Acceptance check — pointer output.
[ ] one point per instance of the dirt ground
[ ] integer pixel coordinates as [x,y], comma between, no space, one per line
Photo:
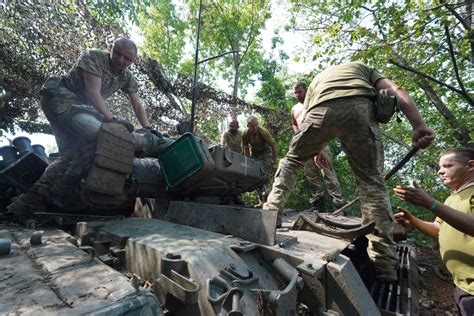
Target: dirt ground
[436,286]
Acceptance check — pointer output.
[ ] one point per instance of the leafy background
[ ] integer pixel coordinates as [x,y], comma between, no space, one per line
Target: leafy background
[425,46]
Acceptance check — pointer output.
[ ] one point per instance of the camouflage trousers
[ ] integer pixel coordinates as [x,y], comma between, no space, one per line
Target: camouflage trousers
[266,159]
[352,121]
[318,179]
[61,179]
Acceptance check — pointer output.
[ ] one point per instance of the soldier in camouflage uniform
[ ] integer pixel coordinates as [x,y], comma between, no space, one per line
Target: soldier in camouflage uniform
[95,76]
[315,175]
[339,104]
[233,137]
[258,144]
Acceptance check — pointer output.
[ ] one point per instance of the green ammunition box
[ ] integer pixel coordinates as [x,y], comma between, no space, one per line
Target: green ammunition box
[186,162]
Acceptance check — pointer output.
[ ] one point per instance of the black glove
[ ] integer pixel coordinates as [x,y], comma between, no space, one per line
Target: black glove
[125,123]
[154,131]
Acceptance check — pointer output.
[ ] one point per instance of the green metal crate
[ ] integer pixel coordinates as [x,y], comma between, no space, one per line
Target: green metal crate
[186,162]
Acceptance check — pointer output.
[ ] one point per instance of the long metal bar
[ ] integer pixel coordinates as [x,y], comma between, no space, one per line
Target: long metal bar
[196,62]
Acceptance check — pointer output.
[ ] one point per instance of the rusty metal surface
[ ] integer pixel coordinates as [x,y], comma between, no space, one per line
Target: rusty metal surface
[208,255]
[55,277]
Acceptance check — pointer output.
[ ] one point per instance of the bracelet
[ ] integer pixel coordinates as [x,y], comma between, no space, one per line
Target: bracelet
[434,206]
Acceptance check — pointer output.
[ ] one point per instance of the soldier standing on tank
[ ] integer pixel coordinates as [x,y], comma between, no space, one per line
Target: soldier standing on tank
[95,76]
[313,173]
[258,144]
[339,104]
[233,137]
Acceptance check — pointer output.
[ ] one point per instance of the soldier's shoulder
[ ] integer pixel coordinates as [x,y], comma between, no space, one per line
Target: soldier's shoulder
[264,130]
[96,55]
[96,52]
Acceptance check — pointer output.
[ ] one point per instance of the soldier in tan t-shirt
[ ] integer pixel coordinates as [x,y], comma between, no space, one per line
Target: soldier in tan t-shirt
[258,144]
[454,222]
[233,137]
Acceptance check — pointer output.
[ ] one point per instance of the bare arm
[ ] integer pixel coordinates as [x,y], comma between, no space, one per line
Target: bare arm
[223,142]
[405,218]
[294,123]
[93,84]
[422,136]
[416,196]
[459,220]
[274,151]
[139,110]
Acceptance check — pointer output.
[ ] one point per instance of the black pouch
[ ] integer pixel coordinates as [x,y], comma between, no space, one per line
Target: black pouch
[385,106]
[51,84]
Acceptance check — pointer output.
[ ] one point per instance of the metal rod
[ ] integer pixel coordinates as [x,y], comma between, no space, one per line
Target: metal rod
[217,56]
[196,62]
[402,162]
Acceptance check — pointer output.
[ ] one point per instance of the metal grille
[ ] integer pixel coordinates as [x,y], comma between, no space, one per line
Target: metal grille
[401,297]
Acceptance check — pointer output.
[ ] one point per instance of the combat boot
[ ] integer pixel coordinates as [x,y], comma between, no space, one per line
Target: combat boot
[27,204]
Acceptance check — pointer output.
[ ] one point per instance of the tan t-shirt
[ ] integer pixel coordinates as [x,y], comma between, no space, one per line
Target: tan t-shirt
[234,141]
[345,80]
[457,248]
[259,143]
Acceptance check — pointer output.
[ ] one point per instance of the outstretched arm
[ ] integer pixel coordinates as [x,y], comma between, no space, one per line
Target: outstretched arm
[416,196]
[405,218]
[422,136]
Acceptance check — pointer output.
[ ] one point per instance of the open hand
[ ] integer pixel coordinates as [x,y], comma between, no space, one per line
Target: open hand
[414,195]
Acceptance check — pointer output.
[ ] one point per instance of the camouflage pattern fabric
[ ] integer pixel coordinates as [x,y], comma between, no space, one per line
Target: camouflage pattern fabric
[266,159]
[318,179]
[352,121]
[61,180]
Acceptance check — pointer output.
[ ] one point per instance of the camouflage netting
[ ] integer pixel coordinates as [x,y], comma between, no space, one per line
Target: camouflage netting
[37,40]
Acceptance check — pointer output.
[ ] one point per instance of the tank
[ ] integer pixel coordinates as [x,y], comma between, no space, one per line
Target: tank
[170,242]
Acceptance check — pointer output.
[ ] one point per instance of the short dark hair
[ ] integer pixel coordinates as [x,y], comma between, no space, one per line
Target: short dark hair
[127,43]
[300,84]
[462,154]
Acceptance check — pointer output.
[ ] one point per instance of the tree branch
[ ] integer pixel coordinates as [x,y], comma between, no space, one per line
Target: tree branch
[217,56]
[455,65]
[419,73]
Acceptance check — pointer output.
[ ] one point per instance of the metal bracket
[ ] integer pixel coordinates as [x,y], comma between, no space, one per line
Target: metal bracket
[227,300]
[184,289]
[236,278]
[280,303]
[244,246]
